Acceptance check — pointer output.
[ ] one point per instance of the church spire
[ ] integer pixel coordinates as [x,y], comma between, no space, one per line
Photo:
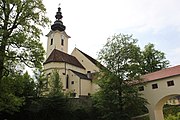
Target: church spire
[58,24]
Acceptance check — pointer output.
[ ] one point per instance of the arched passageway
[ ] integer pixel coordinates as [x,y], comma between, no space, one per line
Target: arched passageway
[156,110]
[158,88]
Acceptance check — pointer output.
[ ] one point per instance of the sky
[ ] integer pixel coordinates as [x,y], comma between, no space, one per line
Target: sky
[91,22]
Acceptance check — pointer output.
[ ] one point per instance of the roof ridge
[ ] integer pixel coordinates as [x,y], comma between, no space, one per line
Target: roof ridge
[91,58]
[164,73]
[168,68]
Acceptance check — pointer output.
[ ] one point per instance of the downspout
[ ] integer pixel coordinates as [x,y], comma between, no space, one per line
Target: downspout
[65,67]
[79,86]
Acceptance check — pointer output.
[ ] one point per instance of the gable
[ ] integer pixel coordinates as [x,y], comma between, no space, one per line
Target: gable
[87,61]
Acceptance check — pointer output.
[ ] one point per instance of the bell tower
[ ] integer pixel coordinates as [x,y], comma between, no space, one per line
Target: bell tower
[57,37]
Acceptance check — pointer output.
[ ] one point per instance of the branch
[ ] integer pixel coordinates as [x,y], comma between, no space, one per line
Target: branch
[1,18]
[12,8]
[15,23]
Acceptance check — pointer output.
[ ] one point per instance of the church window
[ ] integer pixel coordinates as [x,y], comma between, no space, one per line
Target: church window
[62,42]
[154,86]
[170,83]
[51,41]
[72,82]
[67,82]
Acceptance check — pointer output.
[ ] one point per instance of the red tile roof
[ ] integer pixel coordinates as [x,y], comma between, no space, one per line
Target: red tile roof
[58,56]
[164,73]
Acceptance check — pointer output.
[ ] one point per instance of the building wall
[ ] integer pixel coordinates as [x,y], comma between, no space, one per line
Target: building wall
[158,97]
[57,36]
[85,87]
[84,61]
[81,87]
[162,90]
[60,67]
[73,83]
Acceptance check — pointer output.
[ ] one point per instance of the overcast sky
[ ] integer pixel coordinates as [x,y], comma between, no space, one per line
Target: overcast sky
[91,22]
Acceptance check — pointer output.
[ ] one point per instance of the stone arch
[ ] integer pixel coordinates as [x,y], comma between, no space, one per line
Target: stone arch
[158,108]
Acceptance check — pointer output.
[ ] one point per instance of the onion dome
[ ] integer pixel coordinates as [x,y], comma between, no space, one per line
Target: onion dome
[58,24]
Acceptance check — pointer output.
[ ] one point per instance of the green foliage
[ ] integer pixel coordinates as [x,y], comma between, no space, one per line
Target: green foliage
[153,60]
[171,111]
[55,84]
[53,106]
[121,56]
[41,82]
[117,96]
[173,117]
[20,30]
[14,90]
[36,105]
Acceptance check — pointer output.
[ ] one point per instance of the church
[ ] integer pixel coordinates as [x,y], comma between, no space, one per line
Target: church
[75,70]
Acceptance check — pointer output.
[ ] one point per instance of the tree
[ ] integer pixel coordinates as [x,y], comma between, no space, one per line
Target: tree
[153,60]
[121,57]
[55,84]
[14,90]
[20,22]
[41,82]
[54,106]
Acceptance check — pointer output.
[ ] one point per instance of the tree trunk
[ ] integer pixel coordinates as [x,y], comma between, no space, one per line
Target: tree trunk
[2,51]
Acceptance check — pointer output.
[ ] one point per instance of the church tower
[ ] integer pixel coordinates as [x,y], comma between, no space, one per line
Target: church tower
[75,70]
[57,37]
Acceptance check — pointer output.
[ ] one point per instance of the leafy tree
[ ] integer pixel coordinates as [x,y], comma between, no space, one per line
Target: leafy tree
[153,60]
[41,106]
[14,90]
[53,107]
[41,82]
[20,22]
[173,117]
[117,95]
[55,84]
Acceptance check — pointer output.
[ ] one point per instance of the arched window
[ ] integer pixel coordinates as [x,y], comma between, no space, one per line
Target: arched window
[67,82]
[51,41]
[62,40]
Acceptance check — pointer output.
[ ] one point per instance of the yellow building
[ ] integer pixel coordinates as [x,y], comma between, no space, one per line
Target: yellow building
[158,88]
[75,70]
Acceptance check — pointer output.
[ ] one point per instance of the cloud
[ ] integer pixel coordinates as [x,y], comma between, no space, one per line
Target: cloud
[91,22]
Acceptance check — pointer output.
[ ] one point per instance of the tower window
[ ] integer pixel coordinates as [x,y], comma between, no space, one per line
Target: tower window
[62,42]
[170,83]
[51,41]
[154,86]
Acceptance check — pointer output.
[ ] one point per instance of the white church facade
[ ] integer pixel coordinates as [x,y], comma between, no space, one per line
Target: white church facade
[75,70]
